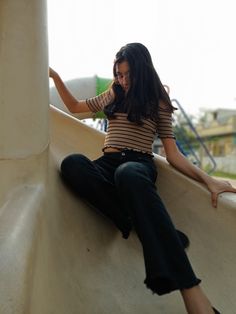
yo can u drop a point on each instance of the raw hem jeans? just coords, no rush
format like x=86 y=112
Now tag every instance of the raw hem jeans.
x=122 y=187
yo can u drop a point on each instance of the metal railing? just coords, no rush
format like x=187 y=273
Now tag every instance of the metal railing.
x=186 y=141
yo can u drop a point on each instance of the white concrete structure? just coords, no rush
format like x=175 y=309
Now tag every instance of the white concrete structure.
x=23 y=78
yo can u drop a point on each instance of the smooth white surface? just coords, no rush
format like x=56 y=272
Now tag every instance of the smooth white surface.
x=58 y=256
x=24 y=93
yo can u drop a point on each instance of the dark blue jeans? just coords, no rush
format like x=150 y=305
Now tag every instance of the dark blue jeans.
x=122 y=186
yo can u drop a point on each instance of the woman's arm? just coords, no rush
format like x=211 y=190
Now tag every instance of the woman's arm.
x=178 y=161
x=73 y=105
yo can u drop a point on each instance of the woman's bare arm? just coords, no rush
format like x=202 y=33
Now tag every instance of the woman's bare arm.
x=178 y=161
x=73 y=105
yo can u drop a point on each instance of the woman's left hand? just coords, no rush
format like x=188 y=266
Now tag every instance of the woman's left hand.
x=217 y=187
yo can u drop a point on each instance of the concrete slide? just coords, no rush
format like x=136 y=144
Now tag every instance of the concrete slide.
x=58 y=256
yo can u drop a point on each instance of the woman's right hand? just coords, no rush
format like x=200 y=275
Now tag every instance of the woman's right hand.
x=52 y=73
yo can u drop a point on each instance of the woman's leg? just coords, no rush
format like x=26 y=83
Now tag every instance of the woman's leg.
x=86 y=179
x=196 y=301
x=91 y=181
x=167 y=265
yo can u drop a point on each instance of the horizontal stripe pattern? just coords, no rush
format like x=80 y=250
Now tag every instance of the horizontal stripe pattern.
x=122 y=133
x=98 y=103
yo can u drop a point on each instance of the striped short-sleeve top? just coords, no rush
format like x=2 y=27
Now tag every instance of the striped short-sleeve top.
x=124 y=134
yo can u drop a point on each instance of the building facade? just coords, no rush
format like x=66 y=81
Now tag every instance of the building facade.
x=218 y=130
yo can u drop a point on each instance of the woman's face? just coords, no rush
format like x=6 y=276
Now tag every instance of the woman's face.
x=123 y=75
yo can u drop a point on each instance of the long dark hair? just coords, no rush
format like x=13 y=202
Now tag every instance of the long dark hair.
x=146 y=89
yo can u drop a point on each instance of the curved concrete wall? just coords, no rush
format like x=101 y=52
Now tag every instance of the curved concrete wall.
x=58 y=256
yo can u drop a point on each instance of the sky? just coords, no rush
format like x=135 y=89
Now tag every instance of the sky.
x=192 y=43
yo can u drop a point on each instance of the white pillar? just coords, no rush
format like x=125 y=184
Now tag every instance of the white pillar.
x=23 y=78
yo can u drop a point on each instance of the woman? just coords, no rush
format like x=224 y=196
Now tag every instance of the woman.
x=121 y=183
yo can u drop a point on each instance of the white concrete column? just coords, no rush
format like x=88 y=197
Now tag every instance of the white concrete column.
x=23 y=78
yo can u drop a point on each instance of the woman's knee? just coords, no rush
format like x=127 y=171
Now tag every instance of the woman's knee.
x=72 y=164
x=128 y=173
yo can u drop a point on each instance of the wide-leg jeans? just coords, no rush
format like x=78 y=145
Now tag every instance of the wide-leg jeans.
x=121 y=186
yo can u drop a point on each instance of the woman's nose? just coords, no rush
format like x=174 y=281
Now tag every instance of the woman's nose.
x=125 y=79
